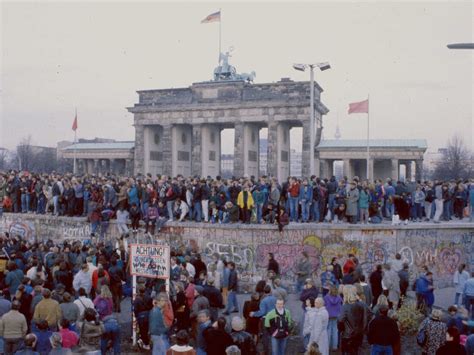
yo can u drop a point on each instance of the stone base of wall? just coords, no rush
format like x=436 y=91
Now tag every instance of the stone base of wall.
x=441 y=247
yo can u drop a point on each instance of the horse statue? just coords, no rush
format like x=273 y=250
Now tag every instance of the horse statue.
x=247 y=77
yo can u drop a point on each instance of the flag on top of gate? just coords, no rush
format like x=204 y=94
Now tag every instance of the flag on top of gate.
x=215 y=17
x=74 y=124
x=359 y=107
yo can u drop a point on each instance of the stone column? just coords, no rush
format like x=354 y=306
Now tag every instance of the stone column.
x=418 y=169
x=395 y=169
x=113 y=166
x=96 y=167
x=239 y=152
x=128 y=164
x=371 y=170
x=139 y=149
x=408 y=170
x=197 y=157
x=305 y=156
x=167 y=150
x=317 y=166
x=325 y=168
x=272 y=149
x=347 y=168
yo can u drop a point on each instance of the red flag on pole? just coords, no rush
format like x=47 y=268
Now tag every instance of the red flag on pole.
x=359 y=107
x=74 y=124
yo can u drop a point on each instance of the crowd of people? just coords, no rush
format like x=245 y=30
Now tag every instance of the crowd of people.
x=59 y=298
x=156 y=200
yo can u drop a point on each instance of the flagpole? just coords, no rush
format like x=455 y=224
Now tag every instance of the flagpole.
x=368 y=142
x=220 y=34
x=75 y=141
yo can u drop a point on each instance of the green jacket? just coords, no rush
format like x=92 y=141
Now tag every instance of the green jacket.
x=272 y=320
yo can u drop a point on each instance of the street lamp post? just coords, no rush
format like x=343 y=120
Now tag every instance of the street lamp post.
x=302 y=67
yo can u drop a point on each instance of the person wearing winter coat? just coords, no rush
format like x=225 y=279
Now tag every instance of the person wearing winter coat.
x=316 y=325
x=352 y=321
x=352 y=201
x=364 y=197
x=309 y=291
x=391 y=283
x=383 y=333
x=459 y=280
x=425 y=291
x=243 y=340
x=333 y=304
x=434 y=331
x=245 y=203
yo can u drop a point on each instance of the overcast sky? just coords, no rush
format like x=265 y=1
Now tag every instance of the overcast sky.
x=95 y=55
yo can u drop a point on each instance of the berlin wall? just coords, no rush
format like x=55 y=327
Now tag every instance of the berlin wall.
x=440 y=247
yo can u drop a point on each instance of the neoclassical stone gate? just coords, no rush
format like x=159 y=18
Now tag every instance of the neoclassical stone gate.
x=177 y=131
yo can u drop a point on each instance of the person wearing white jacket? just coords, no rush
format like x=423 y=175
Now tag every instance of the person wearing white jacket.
x=459 y=280
x=83 y=279
x=316 y=325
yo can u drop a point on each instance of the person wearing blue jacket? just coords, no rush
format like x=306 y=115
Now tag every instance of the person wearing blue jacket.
x=425 y=291
x=157 y=327
x=305 y=198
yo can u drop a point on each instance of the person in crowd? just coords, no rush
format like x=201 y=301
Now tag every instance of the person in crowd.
x=279 y=323
x=316 y=325
x=49 y=310
x=141 y=308
x=13 y=328
x=57 y=347
x=103 y=302
x=459 y=279
x=391 y=283
x=69 y=310
x=333 y=303
x=42 y=332
x=29 y=346
x=217 y=338
x=425 y=291
x=158 y=329
x=432 y=331
x=309 y=291
x=352 y=321
x=243 y=340
x=91 y=332
x=69 y=338
x=252 y=323
x=273 y=264
x=304 y=270
x=383 y=333
x=204 y=325
x=468 y=294
x=232 y=305
x=182 y=346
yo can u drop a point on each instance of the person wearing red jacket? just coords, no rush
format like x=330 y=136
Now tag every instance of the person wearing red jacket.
x=293 y=194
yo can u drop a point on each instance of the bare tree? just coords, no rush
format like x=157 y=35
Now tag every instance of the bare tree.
x=24 y=153
x=456 y=161
x=3 y=159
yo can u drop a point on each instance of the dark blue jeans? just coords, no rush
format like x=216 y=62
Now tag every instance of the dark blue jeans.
x=381 y=350
x=111 y=333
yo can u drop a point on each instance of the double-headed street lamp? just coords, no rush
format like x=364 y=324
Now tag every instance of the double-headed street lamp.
x=302 y=67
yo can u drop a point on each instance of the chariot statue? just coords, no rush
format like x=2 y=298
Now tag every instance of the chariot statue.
x=225 y=71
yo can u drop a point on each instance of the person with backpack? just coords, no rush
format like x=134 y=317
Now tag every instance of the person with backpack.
x=103 y=302
x=279 y=322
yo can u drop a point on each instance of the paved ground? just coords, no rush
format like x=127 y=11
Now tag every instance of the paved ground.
x=444 y=299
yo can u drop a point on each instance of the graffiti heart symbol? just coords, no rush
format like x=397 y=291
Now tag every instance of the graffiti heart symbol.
x=449 y=260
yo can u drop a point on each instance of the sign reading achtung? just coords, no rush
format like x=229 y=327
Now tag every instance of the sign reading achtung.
x=150 y=260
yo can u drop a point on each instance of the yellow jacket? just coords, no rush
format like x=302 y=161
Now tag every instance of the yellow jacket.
x=240 y=200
